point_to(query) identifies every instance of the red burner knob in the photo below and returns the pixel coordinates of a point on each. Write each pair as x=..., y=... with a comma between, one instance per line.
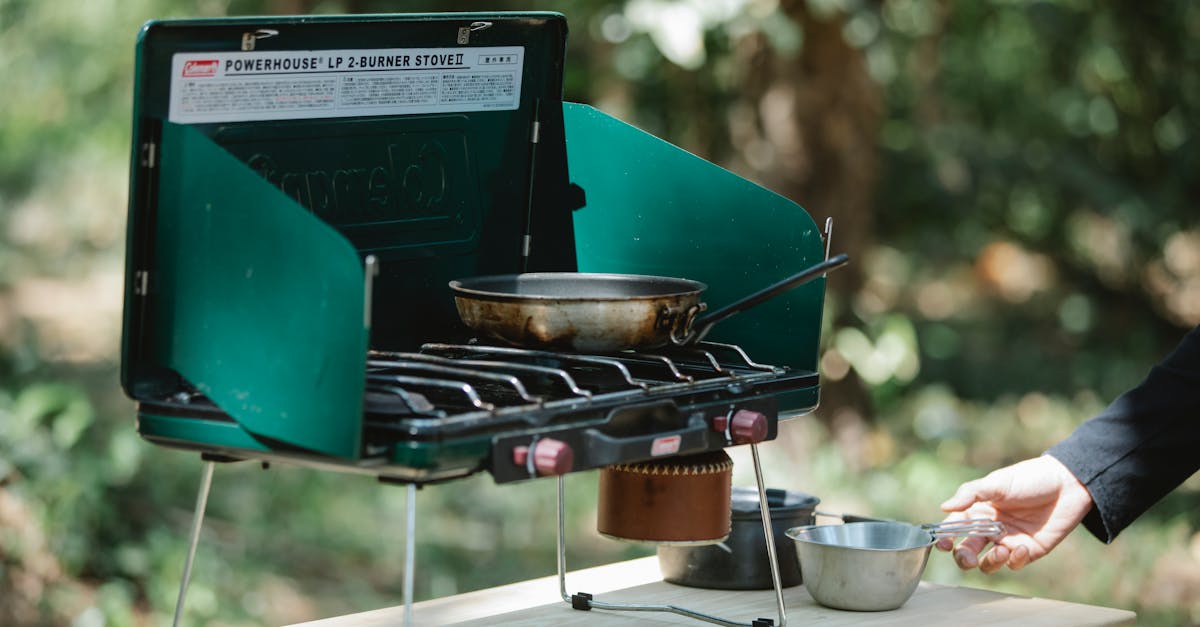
x=748, y=427
x=550, y=456
x=553, y=457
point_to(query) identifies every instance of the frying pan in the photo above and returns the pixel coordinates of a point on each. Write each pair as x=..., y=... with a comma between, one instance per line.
x=589, y=312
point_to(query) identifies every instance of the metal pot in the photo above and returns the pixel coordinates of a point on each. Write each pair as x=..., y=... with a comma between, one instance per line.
x=871, y=566
x=741, y=563
x=600, y=312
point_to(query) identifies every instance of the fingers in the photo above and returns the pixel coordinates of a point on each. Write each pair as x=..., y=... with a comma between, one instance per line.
x=994, y=559
x=995, y=486
x=966, y=554
x=964, y=497
x=1020, y=558
x=970, y=554
x=989, y=488
x=965, y=558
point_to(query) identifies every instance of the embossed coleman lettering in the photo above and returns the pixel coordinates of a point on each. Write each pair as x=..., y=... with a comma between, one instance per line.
x=402, y=188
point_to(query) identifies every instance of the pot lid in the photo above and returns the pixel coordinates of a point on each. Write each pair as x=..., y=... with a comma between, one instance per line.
x=744, y=502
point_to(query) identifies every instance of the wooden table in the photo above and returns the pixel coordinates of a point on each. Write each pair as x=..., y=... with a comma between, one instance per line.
x=537, y=602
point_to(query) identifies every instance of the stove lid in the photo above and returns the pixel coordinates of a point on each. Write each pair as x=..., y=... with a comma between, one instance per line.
x=272, y=155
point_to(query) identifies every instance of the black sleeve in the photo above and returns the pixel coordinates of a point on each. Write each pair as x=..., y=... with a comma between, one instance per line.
x=1142, y=446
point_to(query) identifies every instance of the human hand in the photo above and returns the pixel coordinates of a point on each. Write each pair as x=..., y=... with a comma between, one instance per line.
x=1038, y=500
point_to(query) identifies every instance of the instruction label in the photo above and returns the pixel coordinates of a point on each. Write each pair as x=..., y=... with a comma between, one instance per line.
x=303, y=84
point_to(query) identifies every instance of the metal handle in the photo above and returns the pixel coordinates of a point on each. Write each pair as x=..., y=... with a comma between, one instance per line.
x=969, y=527
x=702, y=324
x=677, y=322
x=957, y=528
x=851, y=517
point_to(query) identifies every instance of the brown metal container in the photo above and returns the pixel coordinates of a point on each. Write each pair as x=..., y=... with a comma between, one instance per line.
x=678, y=500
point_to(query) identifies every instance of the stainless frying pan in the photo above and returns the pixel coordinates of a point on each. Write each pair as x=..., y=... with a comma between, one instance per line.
x=588, y=312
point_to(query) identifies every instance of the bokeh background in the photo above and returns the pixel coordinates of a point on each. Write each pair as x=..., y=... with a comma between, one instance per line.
x=1017, y=181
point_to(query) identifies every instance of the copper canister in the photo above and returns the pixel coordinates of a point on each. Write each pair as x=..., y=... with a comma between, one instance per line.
x=678, y=500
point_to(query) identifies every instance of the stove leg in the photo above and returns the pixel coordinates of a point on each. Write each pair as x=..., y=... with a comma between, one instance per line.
x=197, y=519
x=410, y=552
x=769, y=534
x=562, y=545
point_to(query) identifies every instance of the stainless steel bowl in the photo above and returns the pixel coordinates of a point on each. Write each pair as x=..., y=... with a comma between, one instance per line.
x=863, y=566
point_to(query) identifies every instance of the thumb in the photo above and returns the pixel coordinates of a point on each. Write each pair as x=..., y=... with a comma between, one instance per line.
x=972, y=492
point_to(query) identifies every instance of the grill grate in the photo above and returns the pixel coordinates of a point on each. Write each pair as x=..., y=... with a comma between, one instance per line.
x=460, y=381
x=449, y=410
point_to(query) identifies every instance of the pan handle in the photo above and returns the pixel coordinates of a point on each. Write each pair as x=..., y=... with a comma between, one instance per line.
x=703, y=324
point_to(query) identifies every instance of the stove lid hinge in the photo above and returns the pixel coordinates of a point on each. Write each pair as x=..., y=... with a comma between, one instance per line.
x=149, y=155
x=535, y=135
x=141, y=282
x=828, y=235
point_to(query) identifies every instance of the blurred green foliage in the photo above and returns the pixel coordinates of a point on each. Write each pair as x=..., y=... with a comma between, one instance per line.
x=1033, y=250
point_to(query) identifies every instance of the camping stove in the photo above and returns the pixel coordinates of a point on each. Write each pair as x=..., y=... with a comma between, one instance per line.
x=303, y=190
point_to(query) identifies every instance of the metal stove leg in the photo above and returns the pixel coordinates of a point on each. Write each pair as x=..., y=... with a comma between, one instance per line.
x=769, y=534
x=410, y=552
x=197, y=519
x=585, y=601
x=562, y=545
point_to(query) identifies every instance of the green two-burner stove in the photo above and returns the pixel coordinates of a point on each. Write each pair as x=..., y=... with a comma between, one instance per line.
x=303, y=190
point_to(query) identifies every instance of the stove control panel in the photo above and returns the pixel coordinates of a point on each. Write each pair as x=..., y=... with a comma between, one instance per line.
x=633, y=433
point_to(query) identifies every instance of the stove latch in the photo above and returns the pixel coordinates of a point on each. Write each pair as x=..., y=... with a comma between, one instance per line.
x=464, y=33
x=249, y=40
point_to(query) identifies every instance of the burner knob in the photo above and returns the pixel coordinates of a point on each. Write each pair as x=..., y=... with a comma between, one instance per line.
x=550, y=456
x=748, y=426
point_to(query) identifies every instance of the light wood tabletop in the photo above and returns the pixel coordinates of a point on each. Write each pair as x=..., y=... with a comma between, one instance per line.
x=537, y=602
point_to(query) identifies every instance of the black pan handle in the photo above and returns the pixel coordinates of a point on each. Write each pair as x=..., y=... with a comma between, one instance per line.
x=702, y=324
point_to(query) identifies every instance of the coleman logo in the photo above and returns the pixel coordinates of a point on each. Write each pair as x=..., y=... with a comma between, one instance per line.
x=200, y=68
x=408, y=185
x=666, y=445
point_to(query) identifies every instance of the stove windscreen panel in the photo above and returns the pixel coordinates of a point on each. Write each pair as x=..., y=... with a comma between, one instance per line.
x=257, y=304
x=654, y=208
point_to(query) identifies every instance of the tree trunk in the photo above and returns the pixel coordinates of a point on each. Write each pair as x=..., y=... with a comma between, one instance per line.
x=814, y=139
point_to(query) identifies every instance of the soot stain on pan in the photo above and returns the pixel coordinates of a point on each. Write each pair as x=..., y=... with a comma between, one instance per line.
x=534, y=334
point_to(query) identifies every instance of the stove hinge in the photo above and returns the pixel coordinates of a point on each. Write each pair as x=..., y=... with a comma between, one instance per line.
x=535, y=136
x=141, y=282
x=149, y=155
x=148, y=159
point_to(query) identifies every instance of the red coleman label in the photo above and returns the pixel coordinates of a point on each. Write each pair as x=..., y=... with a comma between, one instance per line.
x=667, y=445
x=200, y=68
